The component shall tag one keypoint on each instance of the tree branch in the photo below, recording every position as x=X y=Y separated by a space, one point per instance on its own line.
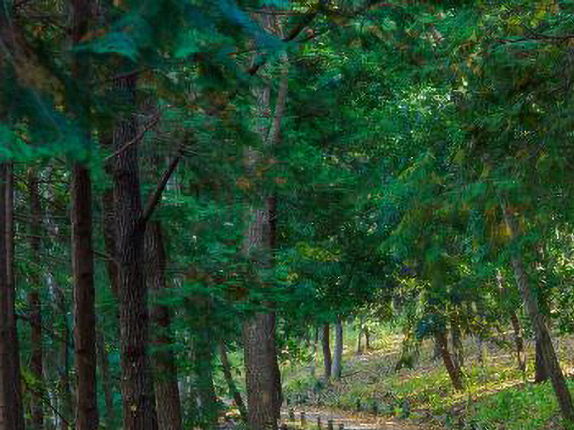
x=156 y=196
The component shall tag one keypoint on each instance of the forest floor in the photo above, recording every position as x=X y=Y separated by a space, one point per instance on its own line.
x=372 y=394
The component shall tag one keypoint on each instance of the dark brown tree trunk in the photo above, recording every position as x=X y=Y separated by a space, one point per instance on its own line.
x=106 y=380
x=11 y=413
x=87 y=417
x=167 y=390
x=233 y=391
x=84 y=298
x=540 y=329
x=453 y=371
x=338 y=356
x=326 y=340
x=35 y=307
x=518 y=342
x=138 y=398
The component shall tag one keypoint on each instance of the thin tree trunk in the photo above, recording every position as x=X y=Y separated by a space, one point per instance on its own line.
x=451 y=368
x=518 y=342
x=327 y=351
x=367 y=338
x=63 y=360
x=138 y=398
x=540 y=329
x=233 y=391
x=35 y=307
x=360 y=337
x=11 y=413
x=167 y=392
x=338 y=356
x=84 y=297
x=106 y=380
x=314 y=350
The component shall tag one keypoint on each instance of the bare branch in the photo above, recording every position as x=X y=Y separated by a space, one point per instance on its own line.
x=156 y=196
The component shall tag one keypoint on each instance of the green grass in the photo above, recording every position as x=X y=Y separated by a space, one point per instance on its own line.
x=496 y=395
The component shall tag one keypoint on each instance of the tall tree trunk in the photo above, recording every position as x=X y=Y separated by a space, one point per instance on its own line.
x=84 y=298
x=540 y=329
x=35 y=306
x=453 y=371
x=233 y=391
x=263 y=377
x=82 y=253
x=325 y=339
x=11 y=413
x=106 y=380
x=338 y=356
x=138 y=398
x=518 y=342
x=167 y=391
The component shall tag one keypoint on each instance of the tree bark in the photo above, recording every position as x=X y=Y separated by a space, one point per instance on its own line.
x=167 y=391
x=84 y=298
x=540 y=329
x=11 y=413
x=338 y=356
x=106 y=380
x=453 y=371
x=233 y=391
x=138 y=405
x=260 y=374
x=35 y=306
x=110 y=240
x=327 y=351
x=540 y=370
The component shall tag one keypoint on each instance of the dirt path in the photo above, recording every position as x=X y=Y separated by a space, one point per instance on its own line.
x=347 y=421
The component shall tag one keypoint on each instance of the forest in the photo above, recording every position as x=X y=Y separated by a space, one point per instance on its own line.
x=286 y=214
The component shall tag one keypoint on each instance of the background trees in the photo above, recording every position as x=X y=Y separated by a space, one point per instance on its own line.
x=182 y=180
